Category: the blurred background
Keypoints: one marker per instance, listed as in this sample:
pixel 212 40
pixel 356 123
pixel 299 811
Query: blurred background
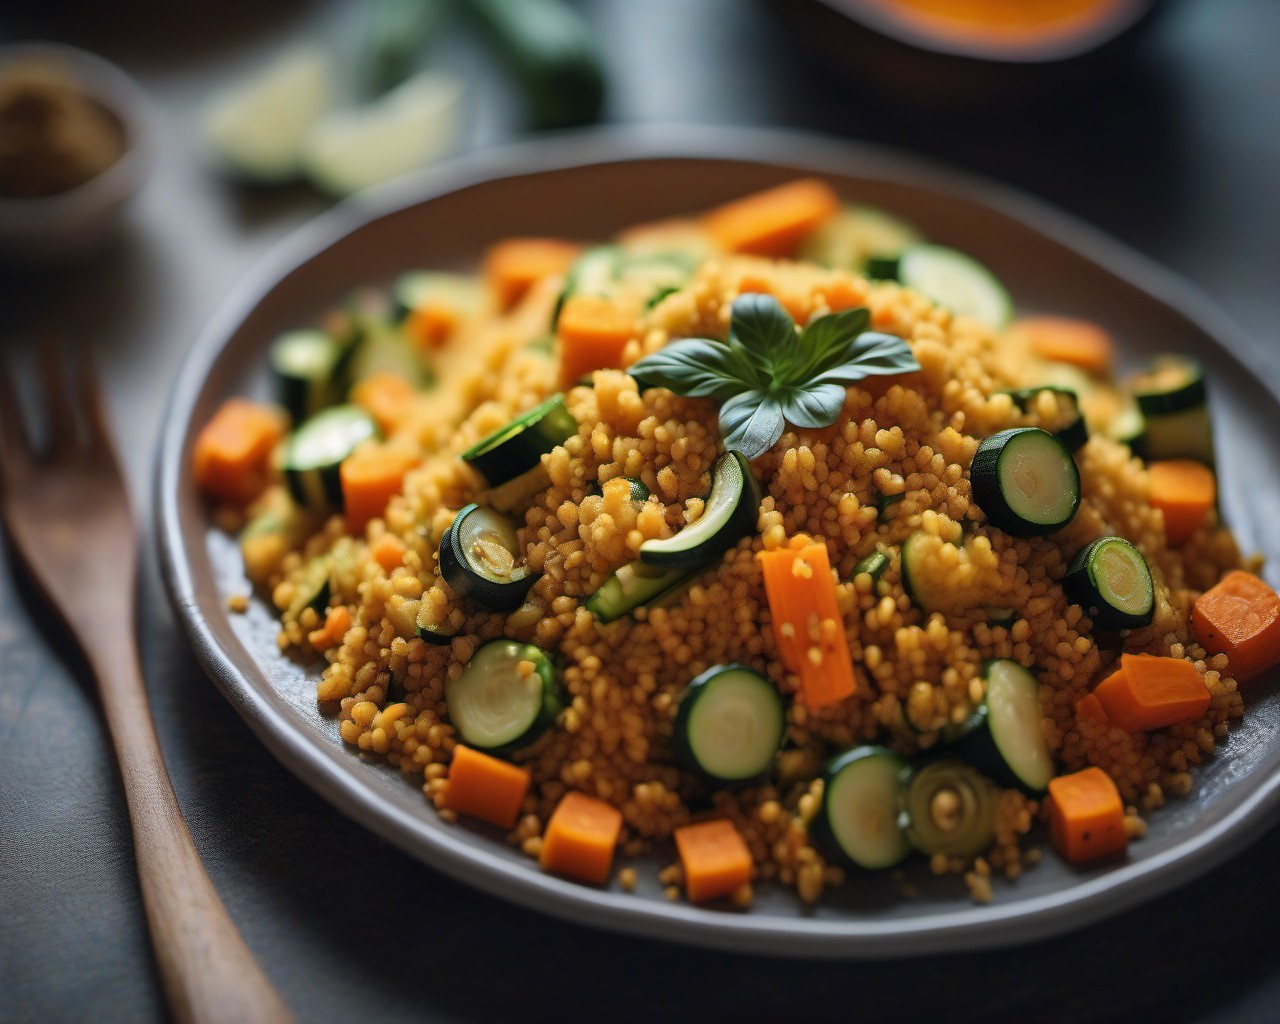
pixel 135 194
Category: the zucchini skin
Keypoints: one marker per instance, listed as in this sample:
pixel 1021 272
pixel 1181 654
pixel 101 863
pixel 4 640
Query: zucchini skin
pixel 740 523
pixel 466 583
pixel 822 829
pixel 977 745
pixel 552 702
pixel 1081 588
pixel 984 479
pixel 684 748
pixel 518 447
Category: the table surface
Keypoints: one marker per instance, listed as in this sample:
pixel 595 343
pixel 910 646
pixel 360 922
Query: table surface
pixel 1177 155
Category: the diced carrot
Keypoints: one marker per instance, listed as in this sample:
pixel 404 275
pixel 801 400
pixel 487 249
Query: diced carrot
pixel 512 266
pixel 330 634
pixel 1148 692
pixel 370 477
pixel 484 787
pixel 580 838
pixel 1086 816
pixel 715 859
pixel 1185 491
pixel 773 222
pixel 1063 340
pixel 386 397
pixel 1239 617
pixel 1090 707
pixel 388 551
pixel 807 625
pixel 593 332
pixel 432 324
pixel 232 451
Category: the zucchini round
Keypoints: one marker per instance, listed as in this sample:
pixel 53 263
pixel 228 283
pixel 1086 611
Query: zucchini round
pixel 1111 581
pixel 861 813
pixel 517 448
pixel 306 366
pixel 732 509
pixel 314 453
pixel 480 559
pixel 1171 383
pixel 729 724
pixel 1003 738
pixel 1026 481
pixel 956 281
pixel 499 705
pixel 950 809
pixel 1075 433
pixel 432 633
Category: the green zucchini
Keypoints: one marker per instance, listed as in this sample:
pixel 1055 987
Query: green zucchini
pixel 480 559
pixel 861 813
pixel 1111 581
pixel 950 809
pixel 860 238
pixel 1026 481
pixel 873 565
pixel 314 453
pixel 416 288
pixel 729 725
pixel 1003 738
pixel 432 633
pixel 631 586
pixel 379 346
pixel 1075 433
pixel 518 447
pixel 497 707
pixel 307 369
pixel 314 589
pixel 956 281
pixel 731 511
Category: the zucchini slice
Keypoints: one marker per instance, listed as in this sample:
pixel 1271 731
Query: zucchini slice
pixel 1111 581
pixel 517 448
pixel 417 288
pixel 732 509
pixel 861 813
pixel 379 346
pixel 950 809
pixel 629 587
pixel 913 549
pixel 314 453
pixel 307 369
pixel 506 697
pixel 956 281
pixel 480 559
pixel 1172 398
pixel 1026 481
pixel 432 633
pixel 873 565
pixel 729 724
pixel 1003 738
pixel 1075 433
pixel 860 238
pixel 314 589
pixel 1128 426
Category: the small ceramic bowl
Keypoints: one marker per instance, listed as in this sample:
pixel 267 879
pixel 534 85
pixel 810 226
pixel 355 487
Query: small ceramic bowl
pixel 76 223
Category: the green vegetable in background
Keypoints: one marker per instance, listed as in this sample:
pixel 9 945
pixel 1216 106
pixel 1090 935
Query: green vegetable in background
pixel 553 54
pixel 767 375
pixel 397 32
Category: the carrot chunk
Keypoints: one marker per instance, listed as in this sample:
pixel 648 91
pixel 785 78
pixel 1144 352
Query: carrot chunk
pixel 432 324
pixel 580 838
pixel 513 266
pixel 484 787
pixel 1089 707
pixel 715 859
pixel 1147 692
pixel 772 223
pixel 369 478
pixel 1063 340
pixel 807 625
pixel 1086 816
pixel 1239 617
pixel 593 332
pixel 1185 491
pixel 386 397
pixel 330 634
pixel 388 551
pixel 232 451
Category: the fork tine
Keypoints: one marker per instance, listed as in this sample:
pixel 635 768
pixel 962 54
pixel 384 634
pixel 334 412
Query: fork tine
pixel 59 414
pixel 13 436
pixel 97 423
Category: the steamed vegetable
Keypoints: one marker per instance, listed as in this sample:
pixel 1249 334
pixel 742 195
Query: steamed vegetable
pixel 950 809
pixel 861 807
pixel 580 838
pixel 480 558
pixel 514 265
pixel 1003 739
pixel 484 787
pixel 518 447
pixel 1148 692
pixel 1064 340
pixel 1172 397
pixel 229 461
pixel 1086 816
pixel 592 332
pixel 1240 617
pixel 730 513
pixel 506 697
pixel 1186 492
pixel 1026 481
pixel 315 451
pixel 1110 580
pixel 730 724
pixel 715 859
pixel 369 479
pixel 773 222
pixel 956 281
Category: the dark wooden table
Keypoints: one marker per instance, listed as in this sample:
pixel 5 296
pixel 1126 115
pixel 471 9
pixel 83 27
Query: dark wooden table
pixel 1178 155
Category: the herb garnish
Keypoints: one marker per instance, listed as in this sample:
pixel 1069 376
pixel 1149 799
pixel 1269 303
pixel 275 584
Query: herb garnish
pixel 767 374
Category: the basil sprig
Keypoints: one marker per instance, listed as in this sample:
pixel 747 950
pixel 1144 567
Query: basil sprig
pixel 768 374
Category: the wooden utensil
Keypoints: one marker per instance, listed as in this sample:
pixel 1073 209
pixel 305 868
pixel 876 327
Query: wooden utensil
pixel 67 511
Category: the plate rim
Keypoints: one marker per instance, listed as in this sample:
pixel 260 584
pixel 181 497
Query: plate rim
pixel 974 927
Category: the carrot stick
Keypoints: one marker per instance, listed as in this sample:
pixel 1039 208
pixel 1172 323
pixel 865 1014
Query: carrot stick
pixel 1086 816
pixel 369 478
pixel 231 455
pixel 715 859
pixel 484 787
pixel 1185 491
pixel 386 397
pixel 807 625
pixel 1147 692
pixel 1062 340
pixel 511 267
pixel 773 222
pixel 580 838
pixel 1239 617
pixel 593 332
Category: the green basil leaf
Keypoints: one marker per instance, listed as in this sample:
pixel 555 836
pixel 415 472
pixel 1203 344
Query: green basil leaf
pixel 812 406
pixel 693 367
pixel 829 335
pixel 751 423
pixel 870 355
pixel 765 332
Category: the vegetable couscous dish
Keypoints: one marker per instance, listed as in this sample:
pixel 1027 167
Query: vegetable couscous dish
pixel 768 541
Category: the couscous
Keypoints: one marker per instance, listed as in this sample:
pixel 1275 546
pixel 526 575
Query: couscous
pixel 766 541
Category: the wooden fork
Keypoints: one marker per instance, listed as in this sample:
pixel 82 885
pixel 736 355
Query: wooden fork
pixel 67 512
